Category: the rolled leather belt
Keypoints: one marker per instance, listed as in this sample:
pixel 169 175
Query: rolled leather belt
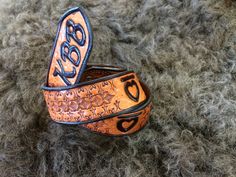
pixel 105 99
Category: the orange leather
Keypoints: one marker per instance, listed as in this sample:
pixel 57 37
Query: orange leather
pixel 104 99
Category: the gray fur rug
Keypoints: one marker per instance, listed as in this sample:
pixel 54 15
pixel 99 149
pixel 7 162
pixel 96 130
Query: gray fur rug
pixel 184 50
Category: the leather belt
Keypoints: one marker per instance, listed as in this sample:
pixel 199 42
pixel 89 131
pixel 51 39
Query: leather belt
pixel 105 99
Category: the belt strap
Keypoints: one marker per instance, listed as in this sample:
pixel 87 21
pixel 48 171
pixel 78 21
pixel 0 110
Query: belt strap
pixel 105 99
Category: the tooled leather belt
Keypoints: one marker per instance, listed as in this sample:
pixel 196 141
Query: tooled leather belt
pixel 104 99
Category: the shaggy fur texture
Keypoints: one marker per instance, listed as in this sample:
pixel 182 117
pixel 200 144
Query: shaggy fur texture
pixel 184 50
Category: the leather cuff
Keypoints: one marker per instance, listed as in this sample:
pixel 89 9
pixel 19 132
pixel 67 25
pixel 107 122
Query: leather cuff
pixel 104 99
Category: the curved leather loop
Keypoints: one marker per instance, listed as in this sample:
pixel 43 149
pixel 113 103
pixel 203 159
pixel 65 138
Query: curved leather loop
pixel 105 99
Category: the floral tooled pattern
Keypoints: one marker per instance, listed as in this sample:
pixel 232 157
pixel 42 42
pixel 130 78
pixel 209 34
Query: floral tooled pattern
pixel 76 103
pixel 83 103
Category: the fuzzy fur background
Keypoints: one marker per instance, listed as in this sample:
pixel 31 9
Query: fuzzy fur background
pixel 184 50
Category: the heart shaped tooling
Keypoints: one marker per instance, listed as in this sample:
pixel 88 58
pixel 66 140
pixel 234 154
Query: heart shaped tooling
pixel 101 98
pixel 126 125
pixel 127 122
pixel 128 87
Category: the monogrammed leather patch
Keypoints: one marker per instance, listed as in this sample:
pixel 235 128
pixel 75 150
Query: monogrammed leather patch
pixel 71 49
